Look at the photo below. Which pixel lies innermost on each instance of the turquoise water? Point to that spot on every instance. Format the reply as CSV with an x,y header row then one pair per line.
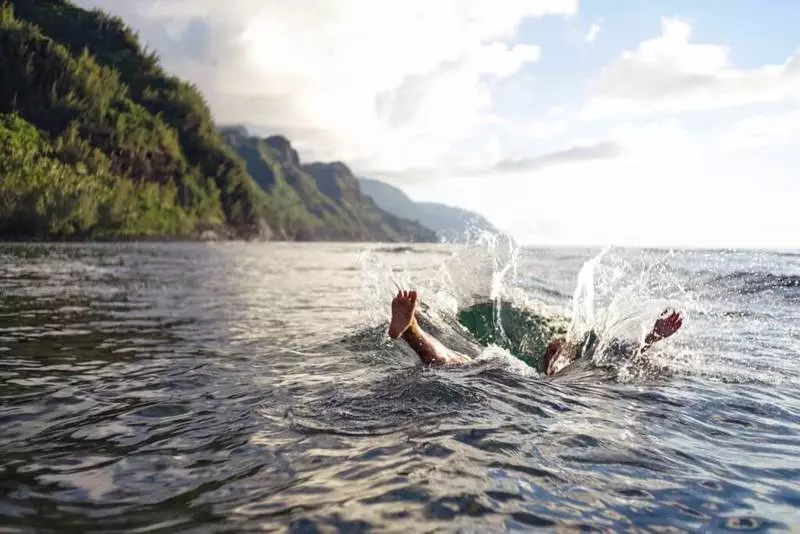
x,y
251,387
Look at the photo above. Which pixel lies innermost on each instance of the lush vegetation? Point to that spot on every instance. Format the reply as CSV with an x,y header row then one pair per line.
x,y
102,141
98,141
42,196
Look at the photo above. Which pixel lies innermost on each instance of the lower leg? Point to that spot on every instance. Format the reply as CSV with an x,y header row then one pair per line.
x,y
403,324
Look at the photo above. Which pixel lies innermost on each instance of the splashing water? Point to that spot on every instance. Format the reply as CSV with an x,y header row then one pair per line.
x,y
622,298
617,295
504,254
583,300
485,269
240,387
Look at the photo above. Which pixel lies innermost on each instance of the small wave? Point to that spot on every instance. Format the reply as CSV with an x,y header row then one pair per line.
x,y
752,282
396,250
402,400
404,249
787,253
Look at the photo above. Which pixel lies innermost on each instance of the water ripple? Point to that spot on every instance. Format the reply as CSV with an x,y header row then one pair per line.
x,y
235,388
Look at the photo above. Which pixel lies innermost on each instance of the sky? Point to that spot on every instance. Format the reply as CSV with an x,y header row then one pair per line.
x,y
623,122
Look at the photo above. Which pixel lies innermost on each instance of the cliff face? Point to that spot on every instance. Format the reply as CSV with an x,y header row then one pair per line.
x,y
450,223
317,201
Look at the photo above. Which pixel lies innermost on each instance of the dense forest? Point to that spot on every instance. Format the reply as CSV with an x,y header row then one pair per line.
x,y
98,141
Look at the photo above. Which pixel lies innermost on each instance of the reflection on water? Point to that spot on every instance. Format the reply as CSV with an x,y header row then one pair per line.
x,y
238,387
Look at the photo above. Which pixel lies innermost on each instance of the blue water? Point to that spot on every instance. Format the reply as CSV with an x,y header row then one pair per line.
x,y
251,387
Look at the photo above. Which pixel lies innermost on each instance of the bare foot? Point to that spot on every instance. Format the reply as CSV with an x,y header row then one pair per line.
x,y
403,307
669,323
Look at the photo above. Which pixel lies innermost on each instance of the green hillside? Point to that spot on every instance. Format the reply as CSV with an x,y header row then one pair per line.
x,y
87,107
98,141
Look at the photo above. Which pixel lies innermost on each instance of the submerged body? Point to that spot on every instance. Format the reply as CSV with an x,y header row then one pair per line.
x,y
558,355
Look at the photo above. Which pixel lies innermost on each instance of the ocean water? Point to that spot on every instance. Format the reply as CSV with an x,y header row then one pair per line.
x,y
251,387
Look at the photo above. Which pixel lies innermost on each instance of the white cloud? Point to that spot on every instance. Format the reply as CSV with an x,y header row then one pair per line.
x,y
657,138
380,82
470,168
670,73
405,90
543,129
591,35
574,154
763,130
671,198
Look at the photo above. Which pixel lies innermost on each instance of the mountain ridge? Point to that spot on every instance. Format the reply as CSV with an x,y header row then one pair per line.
x,y
98,141
451,223
316,201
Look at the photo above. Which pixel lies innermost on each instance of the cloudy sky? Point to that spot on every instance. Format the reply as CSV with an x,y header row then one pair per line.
x,y
631,122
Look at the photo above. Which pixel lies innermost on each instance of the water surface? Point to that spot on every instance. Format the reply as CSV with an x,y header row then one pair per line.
x,y
251,387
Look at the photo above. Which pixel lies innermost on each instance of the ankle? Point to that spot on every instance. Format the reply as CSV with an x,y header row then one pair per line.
x,y
411,331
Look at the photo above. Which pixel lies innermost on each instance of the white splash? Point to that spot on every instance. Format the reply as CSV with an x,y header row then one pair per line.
x,y
583,300
618,293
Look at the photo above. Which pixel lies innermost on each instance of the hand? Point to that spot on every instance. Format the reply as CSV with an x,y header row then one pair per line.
x,y
666,325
